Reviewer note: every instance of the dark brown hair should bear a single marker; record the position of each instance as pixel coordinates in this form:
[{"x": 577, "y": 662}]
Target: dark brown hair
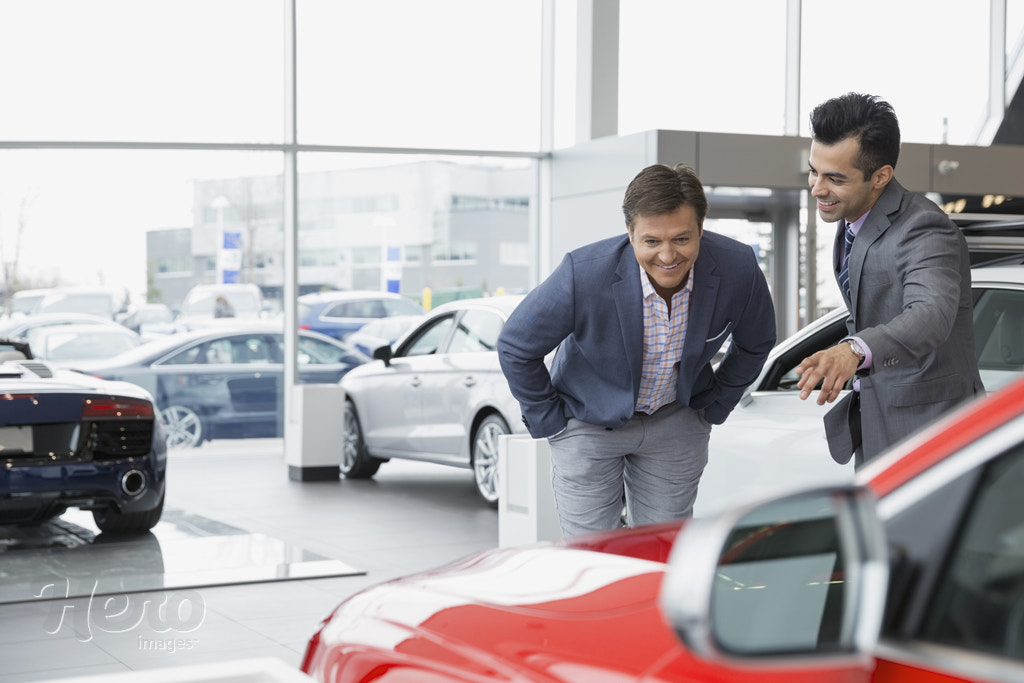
[{"x": 661, "y": 189}]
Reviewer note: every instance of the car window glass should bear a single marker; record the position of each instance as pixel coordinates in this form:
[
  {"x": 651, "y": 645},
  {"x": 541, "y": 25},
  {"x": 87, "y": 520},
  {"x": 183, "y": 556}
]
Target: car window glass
[
  {"x": 778, "y": 585},
  {"x": 217, "y": 352},
  {"x": 187, "y": 356},
  {"x": 979, "y": 604},
  {"x": 427, "y": 340},
  {"x": 999, "y": 336},
  {"x": 400, "y": 307},
  {"x": 249, "y": 349},
  {"x": 781, "y": 375},
  {"x": 314, "y": 351},
  {"x": 476, "y": 331},
  {"x": 355, "y": 309}
]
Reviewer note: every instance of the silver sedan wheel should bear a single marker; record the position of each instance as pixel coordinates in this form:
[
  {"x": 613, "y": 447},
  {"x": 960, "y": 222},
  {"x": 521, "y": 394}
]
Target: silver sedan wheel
[
  {"x": 356, "y": 462},
  {"x": 184, "y": 428},
  {"x": 485, "y": 456}
]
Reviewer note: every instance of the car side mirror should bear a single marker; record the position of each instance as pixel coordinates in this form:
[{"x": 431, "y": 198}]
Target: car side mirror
[
  {"x": 383, "y": 353},
  {"x": 805, "y": 574}
]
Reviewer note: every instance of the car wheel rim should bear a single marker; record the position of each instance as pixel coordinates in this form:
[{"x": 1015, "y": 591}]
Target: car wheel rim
[
  {"x": 350, "y": 444},
  {"x": 485, "y": 460},
  {"x": 184, "y": 429}
]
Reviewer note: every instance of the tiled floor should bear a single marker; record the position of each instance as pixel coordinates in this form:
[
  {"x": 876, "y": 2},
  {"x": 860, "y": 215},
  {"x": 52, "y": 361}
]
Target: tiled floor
[{"x": 408, "y": 518}]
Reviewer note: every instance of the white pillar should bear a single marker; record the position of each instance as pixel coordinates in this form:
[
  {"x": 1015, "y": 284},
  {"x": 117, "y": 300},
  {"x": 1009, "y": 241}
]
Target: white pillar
[{"x": 526, "y": 503}]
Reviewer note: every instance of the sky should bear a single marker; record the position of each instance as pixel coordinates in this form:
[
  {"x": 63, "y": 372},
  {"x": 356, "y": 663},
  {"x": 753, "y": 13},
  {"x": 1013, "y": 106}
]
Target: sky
[{"x": 445, "y": 73}]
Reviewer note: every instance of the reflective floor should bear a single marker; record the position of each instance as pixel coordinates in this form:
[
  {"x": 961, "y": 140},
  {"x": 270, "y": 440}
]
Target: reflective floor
[
  {"x": 244, "y": 563},
  {"x": 69, "y": 558}
]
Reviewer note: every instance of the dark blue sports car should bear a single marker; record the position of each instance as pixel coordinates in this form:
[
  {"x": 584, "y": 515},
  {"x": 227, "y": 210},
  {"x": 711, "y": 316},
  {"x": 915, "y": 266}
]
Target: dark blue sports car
[{"x": 68, "y": 440}]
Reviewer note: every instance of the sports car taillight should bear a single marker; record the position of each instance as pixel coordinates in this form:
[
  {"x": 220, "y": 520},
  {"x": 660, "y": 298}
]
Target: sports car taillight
[{"x": 116, "y": 407}]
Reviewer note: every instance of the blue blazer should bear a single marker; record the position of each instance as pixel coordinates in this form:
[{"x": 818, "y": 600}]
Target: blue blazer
[{"x": 591, "y": 309}]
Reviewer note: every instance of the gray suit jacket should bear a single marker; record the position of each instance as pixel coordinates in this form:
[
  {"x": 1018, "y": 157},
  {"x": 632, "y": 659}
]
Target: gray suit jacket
[
  {"x": 911, "y": 302},
  {"x": 591, "y": 308}
]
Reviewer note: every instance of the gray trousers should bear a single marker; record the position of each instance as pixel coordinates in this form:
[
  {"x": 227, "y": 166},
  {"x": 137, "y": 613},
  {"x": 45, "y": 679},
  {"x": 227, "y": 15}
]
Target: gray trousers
[{"x": 656, "y": 460}]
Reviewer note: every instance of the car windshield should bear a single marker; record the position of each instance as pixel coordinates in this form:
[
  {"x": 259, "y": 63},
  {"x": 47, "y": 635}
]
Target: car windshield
[
  {"x": 71, "y": 344},
  {"x": 96, "y": 304}
]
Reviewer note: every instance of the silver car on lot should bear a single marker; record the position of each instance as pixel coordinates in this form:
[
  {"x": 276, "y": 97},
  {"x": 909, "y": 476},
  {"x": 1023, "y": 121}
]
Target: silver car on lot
[{"x": 437, "y": 396}]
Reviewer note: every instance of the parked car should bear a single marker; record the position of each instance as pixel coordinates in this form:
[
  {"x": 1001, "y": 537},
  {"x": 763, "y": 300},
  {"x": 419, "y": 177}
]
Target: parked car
[
  {"x": 338, "y": 314},
  {"x": 69, "y": 344},
  {"x": 24, "y": 301},
  {"x": 22, "y": 326},
  {"x": 104, "y": 302},
  {"x": 207, "y": 305},
  {"x": 225, "y": 382},
  {"x": 913, "y": 572},
  {"x": 382, "y": 332},
  {"x": 72, "y": 441},
  {"x": 773, "y": 440},
  {"x": 439, "y": 397},
  {"x": 151, "y": 321}
]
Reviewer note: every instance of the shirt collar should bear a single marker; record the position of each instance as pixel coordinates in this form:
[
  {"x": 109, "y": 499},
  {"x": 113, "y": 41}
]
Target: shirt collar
[{"x": 859, "y": 223}]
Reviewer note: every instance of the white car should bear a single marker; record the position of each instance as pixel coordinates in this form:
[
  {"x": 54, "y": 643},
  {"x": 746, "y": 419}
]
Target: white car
[
  {"x": 773, "y": 441},
  {"x": 224, "y": 304},
  {"x": 439, "y": 396}
]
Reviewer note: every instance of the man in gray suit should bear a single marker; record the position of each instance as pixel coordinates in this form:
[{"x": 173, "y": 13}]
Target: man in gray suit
[
  {"x": 904, "y": 272},
  {"x": 637, "y": 319}
]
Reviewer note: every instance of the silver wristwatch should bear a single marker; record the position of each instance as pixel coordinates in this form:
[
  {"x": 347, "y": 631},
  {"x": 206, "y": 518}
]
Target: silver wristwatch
[{"x": 856, "y": 349}]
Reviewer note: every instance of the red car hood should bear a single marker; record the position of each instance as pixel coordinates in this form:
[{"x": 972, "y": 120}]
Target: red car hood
[
  {"x": 585, "y": 612},
  {"x": 540, "y": 613}
]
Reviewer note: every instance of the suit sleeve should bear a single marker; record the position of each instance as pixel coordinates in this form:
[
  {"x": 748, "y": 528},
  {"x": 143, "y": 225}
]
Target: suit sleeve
[
  {"x": 536, "y": 327},
  {"x": 928, "y": 267}
]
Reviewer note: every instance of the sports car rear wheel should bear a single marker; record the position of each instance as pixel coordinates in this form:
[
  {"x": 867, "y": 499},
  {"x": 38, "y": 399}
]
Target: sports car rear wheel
[
  {"x": 485, "y": 456},
  {"x": 112, "y": 520},
  {"x": 356, "y": 462},
  {"x": 184, "y": 428}
]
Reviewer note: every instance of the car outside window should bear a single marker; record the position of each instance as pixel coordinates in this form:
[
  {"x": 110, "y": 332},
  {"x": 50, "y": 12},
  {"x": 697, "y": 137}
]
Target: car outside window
[
  {"x": 355, "y": 309},
  {"x": 318, "y": 352},
  {"x": 401, "y": 307},
  {"x": 428, "y": 339},
  {"x": 477, "y": 331},
  {"x": 191, "y": 355}
]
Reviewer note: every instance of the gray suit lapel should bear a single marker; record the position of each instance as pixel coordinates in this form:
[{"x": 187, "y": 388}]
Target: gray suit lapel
[{"x": 874, "y": 227}]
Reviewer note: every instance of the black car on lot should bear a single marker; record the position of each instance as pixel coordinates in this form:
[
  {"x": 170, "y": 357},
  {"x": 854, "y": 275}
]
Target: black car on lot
[
  {"x": 68, "y": 440},
  {"x": 225, "y": 381}
]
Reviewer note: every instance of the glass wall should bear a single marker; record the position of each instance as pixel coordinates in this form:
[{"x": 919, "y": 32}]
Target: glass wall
[{"x": 693, "y": 65}]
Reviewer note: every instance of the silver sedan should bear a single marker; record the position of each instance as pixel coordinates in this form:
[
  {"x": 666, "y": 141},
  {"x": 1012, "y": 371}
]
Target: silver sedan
[{"x": 438, "y": 395}]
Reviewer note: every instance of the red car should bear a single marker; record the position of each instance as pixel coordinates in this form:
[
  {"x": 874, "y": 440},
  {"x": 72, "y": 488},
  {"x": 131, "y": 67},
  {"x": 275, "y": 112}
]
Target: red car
[{"x": 915, "y": 573}]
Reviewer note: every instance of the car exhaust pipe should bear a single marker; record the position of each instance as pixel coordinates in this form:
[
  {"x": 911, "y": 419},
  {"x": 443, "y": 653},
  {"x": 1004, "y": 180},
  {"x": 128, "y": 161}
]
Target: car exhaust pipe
[{"x": 133, "y": 482}]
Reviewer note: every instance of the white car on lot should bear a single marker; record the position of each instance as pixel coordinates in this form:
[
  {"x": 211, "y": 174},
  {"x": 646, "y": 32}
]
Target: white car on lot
[{"x": 773, "y": 441}]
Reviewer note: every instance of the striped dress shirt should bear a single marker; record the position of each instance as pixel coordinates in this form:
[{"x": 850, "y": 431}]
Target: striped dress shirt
[{"x": 663, "y": 344}]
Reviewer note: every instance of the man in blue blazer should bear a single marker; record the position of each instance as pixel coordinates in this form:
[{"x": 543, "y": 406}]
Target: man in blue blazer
[
  {"x": 631, "y": 395},
  {"x": 904, "y": 272}
]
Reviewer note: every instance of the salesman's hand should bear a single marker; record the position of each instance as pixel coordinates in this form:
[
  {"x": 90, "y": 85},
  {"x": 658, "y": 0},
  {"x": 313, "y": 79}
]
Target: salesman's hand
[{"x": 833, "y": 367}]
